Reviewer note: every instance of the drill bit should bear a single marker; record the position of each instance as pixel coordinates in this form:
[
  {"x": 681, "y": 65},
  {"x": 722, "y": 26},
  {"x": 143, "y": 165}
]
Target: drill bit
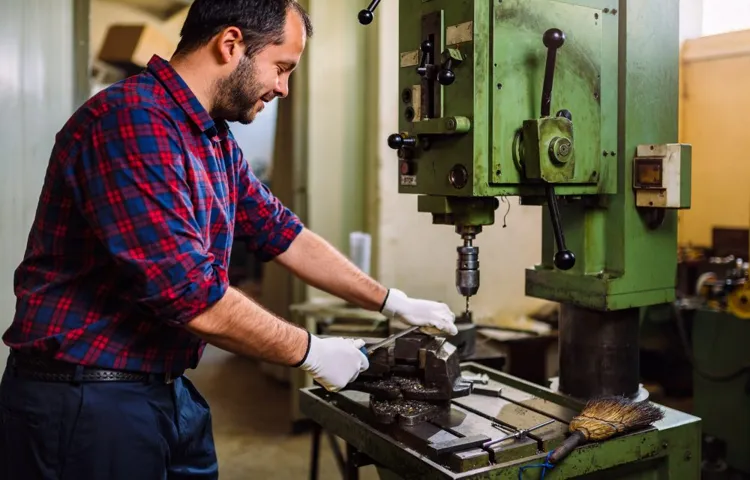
[{"x": 467, "y": 305}]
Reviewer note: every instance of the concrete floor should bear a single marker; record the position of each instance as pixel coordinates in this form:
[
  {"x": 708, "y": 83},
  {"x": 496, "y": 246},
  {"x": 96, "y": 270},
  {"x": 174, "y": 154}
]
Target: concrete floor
[{"x": 251, "y": 423}]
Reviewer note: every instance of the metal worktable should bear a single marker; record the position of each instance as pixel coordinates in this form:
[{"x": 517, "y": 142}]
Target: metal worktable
[{"x": 666, "y": 450}]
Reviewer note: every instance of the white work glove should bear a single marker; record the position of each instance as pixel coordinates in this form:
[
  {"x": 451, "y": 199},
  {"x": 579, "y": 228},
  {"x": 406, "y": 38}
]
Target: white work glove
[
  {"x": 335, "y": 362},
  {"x": 424, "y": 313}
]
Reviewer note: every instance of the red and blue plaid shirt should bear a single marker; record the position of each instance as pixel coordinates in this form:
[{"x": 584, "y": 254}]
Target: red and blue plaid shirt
[{"x": 143, "y": 196}]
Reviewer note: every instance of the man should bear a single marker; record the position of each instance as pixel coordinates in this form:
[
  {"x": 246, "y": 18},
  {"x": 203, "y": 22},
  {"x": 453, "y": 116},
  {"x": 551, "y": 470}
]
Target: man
[{"x": 125, "y": 275}]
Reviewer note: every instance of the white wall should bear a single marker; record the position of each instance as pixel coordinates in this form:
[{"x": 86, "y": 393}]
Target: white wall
[
  {"x": 36, "y": 98},
  {"x": 691, "y": 18},
  {"x": 336, "y": 115},
  {"x": 722, "y": 16},
  {"x": 712, "y": 17}
]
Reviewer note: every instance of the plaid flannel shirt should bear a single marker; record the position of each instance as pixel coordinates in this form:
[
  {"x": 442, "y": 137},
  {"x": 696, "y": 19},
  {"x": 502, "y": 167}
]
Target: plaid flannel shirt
[{"x": 143, "y": 196}]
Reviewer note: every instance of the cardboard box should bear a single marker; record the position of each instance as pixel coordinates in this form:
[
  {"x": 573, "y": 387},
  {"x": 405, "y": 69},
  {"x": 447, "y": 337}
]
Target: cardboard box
[{"x": 132, "y": 46}]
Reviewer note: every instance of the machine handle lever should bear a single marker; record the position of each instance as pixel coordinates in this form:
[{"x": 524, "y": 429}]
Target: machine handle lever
[
  {"x": 564, "y": 258},
  {"x": 397, "y": 141},
  {"x": 553, "y": 39},
  {"x": 451, "y": 59},
  {"x": 426, "y": 68},
  {"x": 367, "y": 15}
]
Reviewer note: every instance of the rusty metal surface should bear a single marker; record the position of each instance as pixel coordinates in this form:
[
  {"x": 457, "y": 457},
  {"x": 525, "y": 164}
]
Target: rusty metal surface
[{"x": 406, "y": 450}]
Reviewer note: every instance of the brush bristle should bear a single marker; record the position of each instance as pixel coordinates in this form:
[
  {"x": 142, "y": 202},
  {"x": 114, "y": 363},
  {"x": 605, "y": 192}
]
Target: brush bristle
[{"x": 604, "y": 417}]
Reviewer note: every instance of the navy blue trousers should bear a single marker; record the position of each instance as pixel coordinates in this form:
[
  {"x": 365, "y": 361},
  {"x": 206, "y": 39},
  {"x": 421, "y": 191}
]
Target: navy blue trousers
[{"x": 104, "y": 431}]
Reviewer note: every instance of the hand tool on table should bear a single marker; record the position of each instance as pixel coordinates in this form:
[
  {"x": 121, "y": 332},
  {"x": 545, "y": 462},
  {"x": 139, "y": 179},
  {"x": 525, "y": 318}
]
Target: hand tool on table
[
  {"x": 518, "y": 434},
  {"x": 384, "y": 343}
]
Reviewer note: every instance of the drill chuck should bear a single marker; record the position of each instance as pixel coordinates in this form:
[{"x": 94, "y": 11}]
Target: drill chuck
[{"x": 467, "y": 270}]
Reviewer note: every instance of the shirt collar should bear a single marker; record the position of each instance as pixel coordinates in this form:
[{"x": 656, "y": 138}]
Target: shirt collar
[{"x": 185, "y": 98}]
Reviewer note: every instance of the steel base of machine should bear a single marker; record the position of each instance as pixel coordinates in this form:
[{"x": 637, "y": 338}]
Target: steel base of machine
[{"x": 670, "y": 449}]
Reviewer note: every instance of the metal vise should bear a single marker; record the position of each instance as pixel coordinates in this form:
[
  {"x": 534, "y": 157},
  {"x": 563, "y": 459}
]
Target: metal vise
[{"x": 412, "y": 380}]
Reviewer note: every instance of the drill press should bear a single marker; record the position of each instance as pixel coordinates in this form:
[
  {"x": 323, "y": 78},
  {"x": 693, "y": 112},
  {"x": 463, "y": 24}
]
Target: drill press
[
  {"x": 567, "y": 104},
  {"x": 570, "y": 105}
]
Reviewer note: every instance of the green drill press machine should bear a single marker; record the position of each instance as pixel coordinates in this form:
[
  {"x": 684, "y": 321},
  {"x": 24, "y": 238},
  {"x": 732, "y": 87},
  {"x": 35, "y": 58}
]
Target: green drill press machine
[{"x": 570, "y": 104}]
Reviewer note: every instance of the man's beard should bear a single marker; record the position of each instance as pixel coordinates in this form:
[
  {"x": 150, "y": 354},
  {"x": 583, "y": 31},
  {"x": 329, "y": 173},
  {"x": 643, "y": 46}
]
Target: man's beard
[{"x": 236, "y": 95}]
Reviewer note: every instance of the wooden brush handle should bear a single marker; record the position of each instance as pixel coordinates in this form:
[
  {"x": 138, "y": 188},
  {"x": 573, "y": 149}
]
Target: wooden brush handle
[{"x": 568, "y": 446}]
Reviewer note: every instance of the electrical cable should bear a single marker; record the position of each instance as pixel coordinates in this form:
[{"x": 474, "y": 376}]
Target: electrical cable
[{"x": 505, "y": 200}]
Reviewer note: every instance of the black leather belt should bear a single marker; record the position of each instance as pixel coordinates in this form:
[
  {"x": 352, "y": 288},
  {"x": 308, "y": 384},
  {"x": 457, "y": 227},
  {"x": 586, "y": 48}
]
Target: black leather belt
[{"x": 48, "y": 370}]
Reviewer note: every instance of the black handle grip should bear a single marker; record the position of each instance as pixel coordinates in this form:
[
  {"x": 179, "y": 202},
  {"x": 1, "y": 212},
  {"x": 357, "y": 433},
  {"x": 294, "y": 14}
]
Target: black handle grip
[
  {"x": 446, "y": 76},
  {"x": 553, "y": 39},
  {"x": 397, "y": 141},
  {"x": 568, "y": 446},
  {"x": 426, "y": 68},
  {"x": 367, "y": 15},
  {"x": 564, "y": 258}
]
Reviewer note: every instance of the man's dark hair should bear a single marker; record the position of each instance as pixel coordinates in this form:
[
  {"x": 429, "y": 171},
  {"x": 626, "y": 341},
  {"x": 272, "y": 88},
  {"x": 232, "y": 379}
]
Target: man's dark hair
[{"x": 261, "y": 22}]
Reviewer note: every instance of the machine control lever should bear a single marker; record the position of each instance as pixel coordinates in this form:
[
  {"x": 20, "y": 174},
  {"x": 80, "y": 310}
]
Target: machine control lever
[
  {"x": 564, "y": 258},
  {"x": 451, "y": 59},
  {"x": 553, "y": 39},
  {"x": 427, "y": 68},
  {"x": 367, "y": 15},
  {"x": 397, "y": 141}
]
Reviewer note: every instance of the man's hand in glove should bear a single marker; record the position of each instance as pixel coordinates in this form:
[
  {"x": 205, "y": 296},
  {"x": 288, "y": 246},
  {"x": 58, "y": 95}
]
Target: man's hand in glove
[
  {"x": 335, "y": 362},
  {"x": 424, "y": 313}
]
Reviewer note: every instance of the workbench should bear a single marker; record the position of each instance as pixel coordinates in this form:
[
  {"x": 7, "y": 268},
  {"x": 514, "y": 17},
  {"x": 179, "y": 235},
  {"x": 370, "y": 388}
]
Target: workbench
[{"x": 666, "y": 450}]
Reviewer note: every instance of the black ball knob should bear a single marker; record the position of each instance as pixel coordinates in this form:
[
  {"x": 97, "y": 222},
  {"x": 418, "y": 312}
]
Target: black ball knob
[
  {"x": 446, "y": 77},
  {"x": 365, "y": 17},
  {"x": 565, "y": 260},
  {"x": 553, "y": 38},
  {"x": 566, "y": 114},
  {"x": 397, "y": 141}
]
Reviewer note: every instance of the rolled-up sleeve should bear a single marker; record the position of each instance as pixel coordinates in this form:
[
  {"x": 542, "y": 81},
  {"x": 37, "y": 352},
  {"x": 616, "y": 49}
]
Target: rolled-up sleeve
[
  {"x": 130, "y": 185},
  {"x": 268, "y": 227}
]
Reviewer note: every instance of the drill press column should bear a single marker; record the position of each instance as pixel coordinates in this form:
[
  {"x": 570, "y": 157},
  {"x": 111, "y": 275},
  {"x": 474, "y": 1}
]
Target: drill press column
[{"x": 598, "y": 352}]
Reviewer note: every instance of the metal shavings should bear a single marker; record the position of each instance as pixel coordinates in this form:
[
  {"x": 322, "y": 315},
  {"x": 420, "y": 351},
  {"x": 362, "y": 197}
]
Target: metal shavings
[
  {"x": 409, "y": 383},
  {"x": 400, "y": 407}
]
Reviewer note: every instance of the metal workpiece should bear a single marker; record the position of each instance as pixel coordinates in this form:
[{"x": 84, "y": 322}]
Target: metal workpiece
[
  {"x": 447, "y": 445},
  {"x": 412, "y": 378},
  {"x": 599, "y": 352}
]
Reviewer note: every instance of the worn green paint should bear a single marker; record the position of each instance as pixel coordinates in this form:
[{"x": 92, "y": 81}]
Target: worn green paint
[
  {"x": 549, "y": 150},
  {"x": 670, "y": 449},
  {"x": 617, "y": 73},
  {"x": 442, "y": 126},
  {"x": 476, "y": 211}
]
